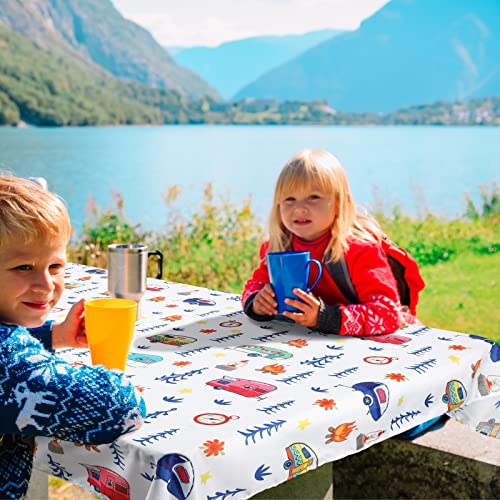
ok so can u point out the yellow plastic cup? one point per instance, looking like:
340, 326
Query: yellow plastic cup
109, 324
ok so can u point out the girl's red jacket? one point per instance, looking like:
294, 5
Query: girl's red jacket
379, 310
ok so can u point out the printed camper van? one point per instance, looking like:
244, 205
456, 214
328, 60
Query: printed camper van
140, 359
241, 386
390, 338
454, 395
177, 340
107, 482
264, 351
490, 428
300, 459
375, 396
177, 471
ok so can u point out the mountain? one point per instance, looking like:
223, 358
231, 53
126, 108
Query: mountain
93, 31
409, 52
234, 64
40, 87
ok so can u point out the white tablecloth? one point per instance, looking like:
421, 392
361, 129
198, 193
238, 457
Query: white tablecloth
236, 407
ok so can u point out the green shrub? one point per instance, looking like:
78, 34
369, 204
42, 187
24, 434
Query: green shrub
101, 229
217, 247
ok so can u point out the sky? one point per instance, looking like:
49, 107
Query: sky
212, 22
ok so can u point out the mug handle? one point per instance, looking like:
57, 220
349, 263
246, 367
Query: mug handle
320, 272
160, 262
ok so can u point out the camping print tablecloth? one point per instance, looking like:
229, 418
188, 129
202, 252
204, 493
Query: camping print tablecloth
236, 407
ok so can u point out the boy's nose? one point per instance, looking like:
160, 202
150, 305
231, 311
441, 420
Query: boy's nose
43, 282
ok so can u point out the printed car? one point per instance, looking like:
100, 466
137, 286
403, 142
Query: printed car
241, 386
300, 459
177, 471
178, 340
107, 482
454, 395
490, 428
139, 359
264, 351
390, 338
375, 396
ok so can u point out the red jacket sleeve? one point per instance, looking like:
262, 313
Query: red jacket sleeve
260, 276
379, 308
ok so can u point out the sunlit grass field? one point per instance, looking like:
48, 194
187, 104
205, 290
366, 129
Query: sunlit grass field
462, 295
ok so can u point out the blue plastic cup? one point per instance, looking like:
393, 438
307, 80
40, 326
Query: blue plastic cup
289, 270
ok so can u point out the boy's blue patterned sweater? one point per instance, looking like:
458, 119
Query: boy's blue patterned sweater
43, 395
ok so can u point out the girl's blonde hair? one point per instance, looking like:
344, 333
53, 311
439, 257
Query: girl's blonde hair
319, 169
29, 213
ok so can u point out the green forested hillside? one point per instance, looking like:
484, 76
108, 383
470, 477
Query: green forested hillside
94, 34
42, 88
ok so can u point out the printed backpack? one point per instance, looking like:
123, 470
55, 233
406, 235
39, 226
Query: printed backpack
404, 268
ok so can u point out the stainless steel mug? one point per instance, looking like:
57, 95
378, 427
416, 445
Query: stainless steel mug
127, 270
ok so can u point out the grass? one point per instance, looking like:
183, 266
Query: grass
462, 295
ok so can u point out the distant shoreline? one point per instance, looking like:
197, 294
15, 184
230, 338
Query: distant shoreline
24, 125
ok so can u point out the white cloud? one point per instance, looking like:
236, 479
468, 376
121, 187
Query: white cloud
211, 22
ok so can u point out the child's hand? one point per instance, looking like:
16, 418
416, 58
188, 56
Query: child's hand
308, 305
71, 332
264, 303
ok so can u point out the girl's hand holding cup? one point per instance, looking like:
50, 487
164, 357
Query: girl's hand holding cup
308, 305
264, 303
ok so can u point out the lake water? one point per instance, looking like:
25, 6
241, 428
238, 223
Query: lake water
421, 168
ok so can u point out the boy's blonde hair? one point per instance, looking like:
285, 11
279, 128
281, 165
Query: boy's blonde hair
29, 213
321, 170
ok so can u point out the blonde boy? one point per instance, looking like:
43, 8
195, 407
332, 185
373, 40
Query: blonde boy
100, 405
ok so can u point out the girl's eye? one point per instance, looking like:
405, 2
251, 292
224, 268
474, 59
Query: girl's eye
290, 199
314, 197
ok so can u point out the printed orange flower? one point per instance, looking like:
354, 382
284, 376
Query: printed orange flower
339, 433
175, 317
160, 298
457, 347
213, 447
207, 330
298, 343
140, 388
181, 363
327, 404
274, 369
398, 377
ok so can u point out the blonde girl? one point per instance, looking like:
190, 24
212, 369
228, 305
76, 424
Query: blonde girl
313, 211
